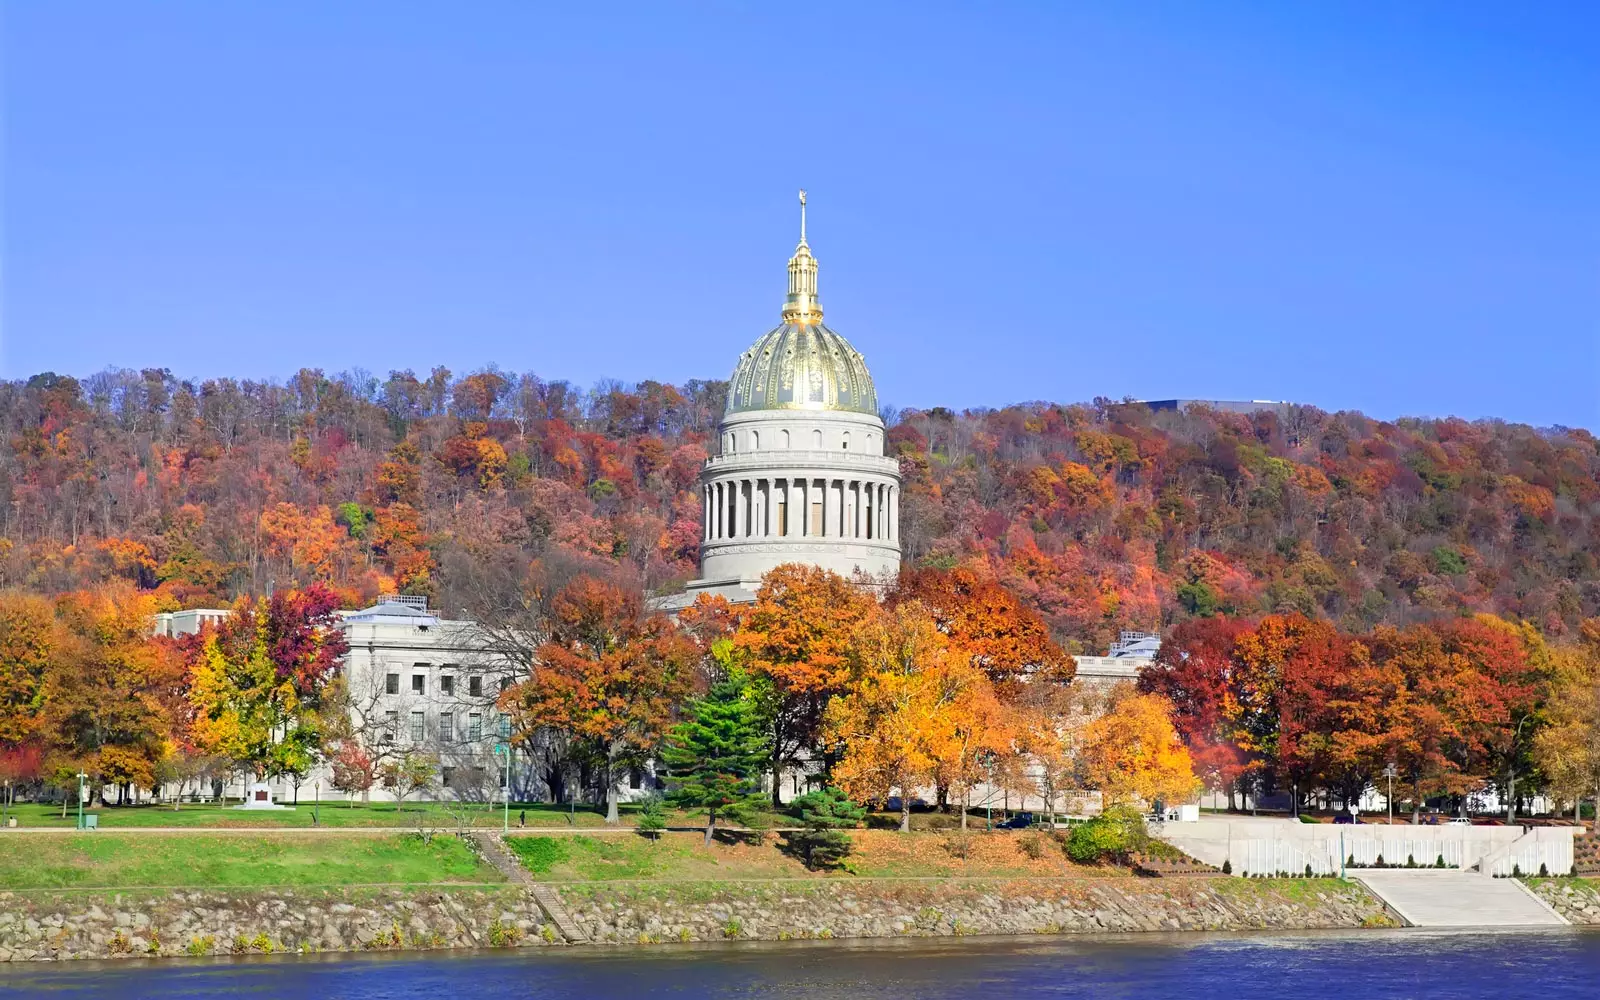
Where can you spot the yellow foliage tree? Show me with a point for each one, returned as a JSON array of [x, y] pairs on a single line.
[[1133, 753], [1568, 749], [914, 711]]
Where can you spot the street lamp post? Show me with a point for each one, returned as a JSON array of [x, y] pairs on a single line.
[[1389, 772], [503, 750], [82, 782], [316, 806]]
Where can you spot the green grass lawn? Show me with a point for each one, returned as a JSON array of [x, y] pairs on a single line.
[[340, 814], [189, 860]]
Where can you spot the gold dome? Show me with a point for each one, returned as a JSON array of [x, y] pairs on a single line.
[[801, 364]]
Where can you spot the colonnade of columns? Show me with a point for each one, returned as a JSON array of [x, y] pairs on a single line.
[[801, 507]]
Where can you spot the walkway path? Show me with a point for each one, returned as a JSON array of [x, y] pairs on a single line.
[[499, 855], [1425, 898]]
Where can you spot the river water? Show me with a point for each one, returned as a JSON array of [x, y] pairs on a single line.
[[1188, 967]]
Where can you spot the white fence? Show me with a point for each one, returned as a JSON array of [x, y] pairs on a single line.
[[1549, 848]]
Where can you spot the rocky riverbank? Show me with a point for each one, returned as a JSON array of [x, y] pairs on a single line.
[[1576, 899], [66, 925]]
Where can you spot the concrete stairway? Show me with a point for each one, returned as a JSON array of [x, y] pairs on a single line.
[[1434, 898], [499, 855]]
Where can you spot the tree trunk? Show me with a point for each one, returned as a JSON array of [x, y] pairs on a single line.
[[1511, 796], [905, 811], [711, 823], [777, 765], [613, 815], [966, 801]]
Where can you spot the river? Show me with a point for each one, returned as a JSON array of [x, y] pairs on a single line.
[[1191, 967]]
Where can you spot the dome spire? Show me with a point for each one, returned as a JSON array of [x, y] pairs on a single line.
[[800, 306]]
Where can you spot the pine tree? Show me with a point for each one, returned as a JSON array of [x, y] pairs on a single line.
[[714, 755], [825, 816]]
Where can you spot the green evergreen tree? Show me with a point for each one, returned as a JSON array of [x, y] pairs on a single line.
[[714, 755], [825, 816], [652, 817]]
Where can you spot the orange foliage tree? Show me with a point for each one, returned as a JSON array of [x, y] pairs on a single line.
[[610, 676], [796, 640]]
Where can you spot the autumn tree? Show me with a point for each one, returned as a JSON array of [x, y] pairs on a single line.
[[101, 710], [1133, 753], [914, 710], [27, 637], [1568, 751], [259, 680], [610, 675], [796, 640], [983, 620]]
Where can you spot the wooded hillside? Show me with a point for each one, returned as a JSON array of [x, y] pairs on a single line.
[[1103, 516]]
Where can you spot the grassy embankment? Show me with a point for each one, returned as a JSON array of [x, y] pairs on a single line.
[[876, 854], [338, 815], [234, 860], [344, 815]]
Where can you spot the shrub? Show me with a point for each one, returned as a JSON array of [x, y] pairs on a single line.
[[1544, 870], [503, 935], [825, 815], [200, 946], [1307, 818], [1111, 836], [1308, 869], [1411, 861], [1379, 863], [1033, 846], [1440, 863], [1516, 870], [1227, 867]]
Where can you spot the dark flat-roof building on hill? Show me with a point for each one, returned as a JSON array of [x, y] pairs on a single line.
[[1245, 406]]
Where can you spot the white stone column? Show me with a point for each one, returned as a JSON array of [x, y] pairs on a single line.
[[771, 505], [830, 511], [738, 508], [794, 506], [705, 512], [859, 492], [894, 513], [722, 510]]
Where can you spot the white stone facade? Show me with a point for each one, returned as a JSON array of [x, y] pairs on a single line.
[[417, 683], [799, 486]]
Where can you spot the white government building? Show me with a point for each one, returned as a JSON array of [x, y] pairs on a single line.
[[801, 476]]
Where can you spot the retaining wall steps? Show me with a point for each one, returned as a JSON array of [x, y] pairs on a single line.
[[1444, 898]]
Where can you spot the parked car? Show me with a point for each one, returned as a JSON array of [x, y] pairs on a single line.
[[1344, 818], [1019, 821], [1458, 821]]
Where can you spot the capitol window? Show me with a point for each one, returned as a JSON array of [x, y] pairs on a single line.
[[846, 445], [816, 440], [755, 440], [783, 440]]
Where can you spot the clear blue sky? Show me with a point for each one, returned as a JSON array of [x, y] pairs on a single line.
[[1386, 207]]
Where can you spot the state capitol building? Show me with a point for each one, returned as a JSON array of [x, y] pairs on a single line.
[[800, 475]]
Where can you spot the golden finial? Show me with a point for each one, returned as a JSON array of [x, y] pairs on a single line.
[[801, 306]]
